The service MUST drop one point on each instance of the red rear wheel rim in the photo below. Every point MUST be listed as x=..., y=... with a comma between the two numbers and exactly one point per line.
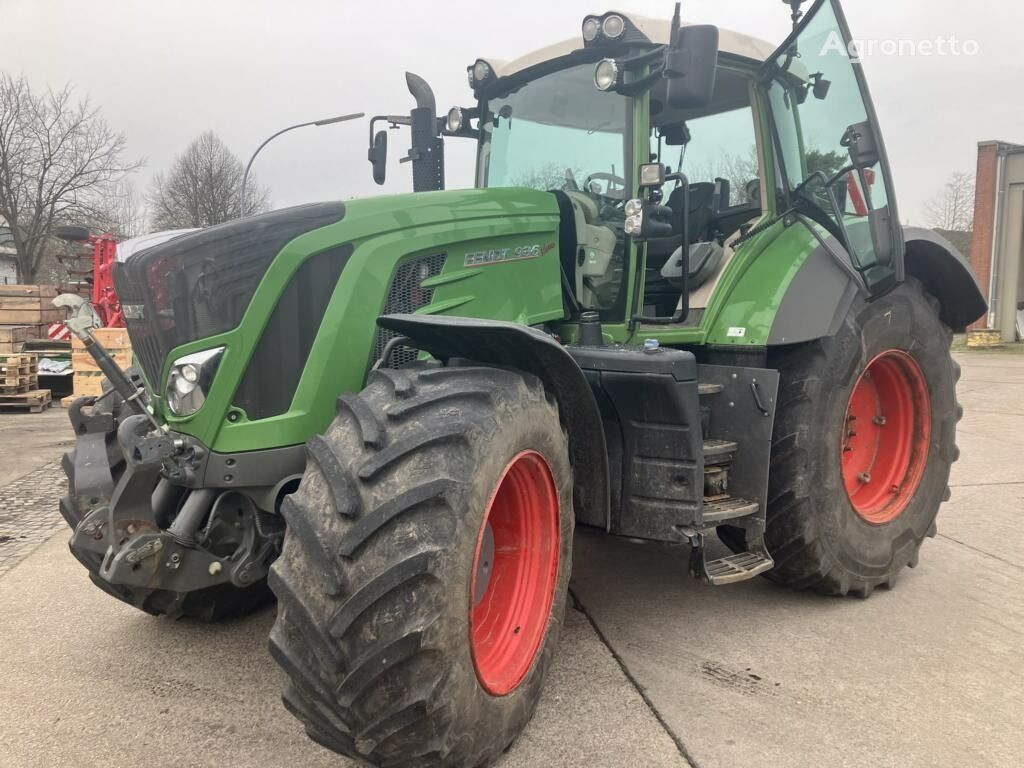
x=885, y=437
x=514, y=573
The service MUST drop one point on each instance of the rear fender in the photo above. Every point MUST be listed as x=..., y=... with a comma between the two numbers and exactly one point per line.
x=947, y=275
x=509, y=345
x=820, y=294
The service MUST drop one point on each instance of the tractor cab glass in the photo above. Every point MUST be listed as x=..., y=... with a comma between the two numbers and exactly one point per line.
x=716, y=147
x=820, y=108
x=558, y=133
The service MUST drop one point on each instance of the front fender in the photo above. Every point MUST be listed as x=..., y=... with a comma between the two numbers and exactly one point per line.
x=516, y=346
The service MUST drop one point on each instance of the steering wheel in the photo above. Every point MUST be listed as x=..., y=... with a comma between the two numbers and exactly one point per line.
x=612, y=179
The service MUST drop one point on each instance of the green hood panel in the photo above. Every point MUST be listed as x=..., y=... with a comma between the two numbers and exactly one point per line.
x=501, y=262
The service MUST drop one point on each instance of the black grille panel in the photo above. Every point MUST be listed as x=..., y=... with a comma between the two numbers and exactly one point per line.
x=404, y=297
x=277, y=364
x=200, y=284
x=146, y=346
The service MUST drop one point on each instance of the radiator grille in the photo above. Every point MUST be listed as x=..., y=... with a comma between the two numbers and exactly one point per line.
x=406, y=296
x=146, y=343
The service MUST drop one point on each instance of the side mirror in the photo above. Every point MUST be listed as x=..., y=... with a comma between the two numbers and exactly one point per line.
x=821, y=87
x=691, y=67
x=378, y=156
x=862, y=144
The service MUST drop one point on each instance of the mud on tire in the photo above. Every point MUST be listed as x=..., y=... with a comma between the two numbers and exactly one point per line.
x=816, y=536
x=375, y=582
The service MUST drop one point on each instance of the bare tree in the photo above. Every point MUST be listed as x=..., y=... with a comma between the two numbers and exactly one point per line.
x=57, y=157
x=202, y=188
x=119, y=211
x=546, y=177
x=953, y=208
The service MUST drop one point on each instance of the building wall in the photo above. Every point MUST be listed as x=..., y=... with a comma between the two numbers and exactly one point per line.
x=1011, y=247
x=998, y=246
x=984, y=219
x=8, y=269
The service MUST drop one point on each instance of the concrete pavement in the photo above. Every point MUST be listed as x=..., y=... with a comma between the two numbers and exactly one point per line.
x=28, y=440
x=930, y=674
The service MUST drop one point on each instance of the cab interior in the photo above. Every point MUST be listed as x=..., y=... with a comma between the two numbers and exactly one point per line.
x=719, y=149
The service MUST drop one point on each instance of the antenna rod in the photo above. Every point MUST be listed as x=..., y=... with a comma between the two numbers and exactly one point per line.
x=676, y=21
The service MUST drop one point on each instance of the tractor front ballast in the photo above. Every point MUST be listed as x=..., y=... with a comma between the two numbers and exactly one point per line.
x=149, y=528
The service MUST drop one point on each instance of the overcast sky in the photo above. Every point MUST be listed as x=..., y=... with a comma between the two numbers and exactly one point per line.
x=165, y=71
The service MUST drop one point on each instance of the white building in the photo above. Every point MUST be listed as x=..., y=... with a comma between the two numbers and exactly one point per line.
x=8, y=262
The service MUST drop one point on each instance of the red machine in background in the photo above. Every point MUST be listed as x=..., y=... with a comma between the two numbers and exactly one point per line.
x=104, y=255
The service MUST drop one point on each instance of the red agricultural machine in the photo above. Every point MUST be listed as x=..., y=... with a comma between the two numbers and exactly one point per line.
x=104, y=256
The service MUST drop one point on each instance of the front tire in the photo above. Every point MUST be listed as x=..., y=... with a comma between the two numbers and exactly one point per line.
x=425, y=568
x=864, y=439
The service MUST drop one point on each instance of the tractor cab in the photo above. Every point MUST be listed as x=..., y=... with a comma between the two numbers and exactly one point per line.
x=574, y=130
x=669, y=147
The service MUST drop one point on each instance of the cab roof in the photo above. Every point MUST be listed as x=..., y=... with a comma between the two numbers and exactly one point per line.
x=657, y=31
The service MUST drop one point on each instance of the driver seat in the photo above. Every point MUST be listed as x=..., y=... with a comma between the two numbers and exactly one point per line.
x=657, y=290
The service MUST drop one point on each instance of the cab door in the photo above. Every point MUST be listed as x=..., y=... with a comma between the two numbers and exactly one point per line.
x=831, y=163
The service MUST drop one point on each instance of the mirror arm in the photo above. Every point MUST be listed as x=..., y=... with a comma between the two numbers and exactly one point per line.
x=636, y=87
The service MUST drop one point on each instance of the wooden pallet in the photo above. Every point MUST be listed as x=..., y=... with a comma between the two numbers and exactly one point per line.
x=29, y=305
x=18, y=373
x=13, y=337
x=35, y=401
x=88, y=379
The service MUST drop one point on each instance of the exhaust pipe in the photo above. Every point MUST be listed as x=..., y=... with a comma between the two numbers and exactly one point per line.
x=421, y=91
x=427, y=153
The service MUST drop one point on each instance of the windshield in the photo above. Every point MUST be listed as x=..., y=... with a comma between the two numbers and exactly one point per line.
x=556, y=132
x=559, y=132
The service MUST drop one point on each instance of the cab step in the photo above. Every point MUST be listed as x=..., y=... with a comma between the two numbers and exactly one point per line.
x=718, y=512
x=719, y=451
x=735, y=568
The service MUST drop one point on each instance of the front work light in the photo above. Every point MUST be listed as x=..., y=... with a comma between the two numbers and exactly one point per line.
x=613, y=26
x=606, y=74
x=481, y=71
x=455, y=121
x=652, y=175
x=591, y=28
x=189, y=380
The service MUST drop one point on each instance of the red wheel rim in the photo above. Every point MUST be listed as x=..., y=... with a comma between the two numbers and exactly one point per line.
x=885, y=437
x=514, y=572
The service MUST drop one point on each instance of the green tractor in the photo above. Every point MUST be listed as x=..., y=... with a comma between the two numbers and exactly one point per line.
x=678, y=305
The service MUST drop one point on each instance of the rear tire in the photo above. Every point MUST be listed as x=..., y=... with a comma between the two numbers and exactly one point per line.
x=394, y=654
x=826, y=529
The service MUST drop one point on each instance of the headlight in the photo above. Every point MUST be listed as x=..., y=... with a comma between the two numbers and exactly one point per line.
x=189, y=380
x=634, y=207
x=634, y=225
x=613, y=27
x=454, y=122
x=591, y=28
x=606, y=74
